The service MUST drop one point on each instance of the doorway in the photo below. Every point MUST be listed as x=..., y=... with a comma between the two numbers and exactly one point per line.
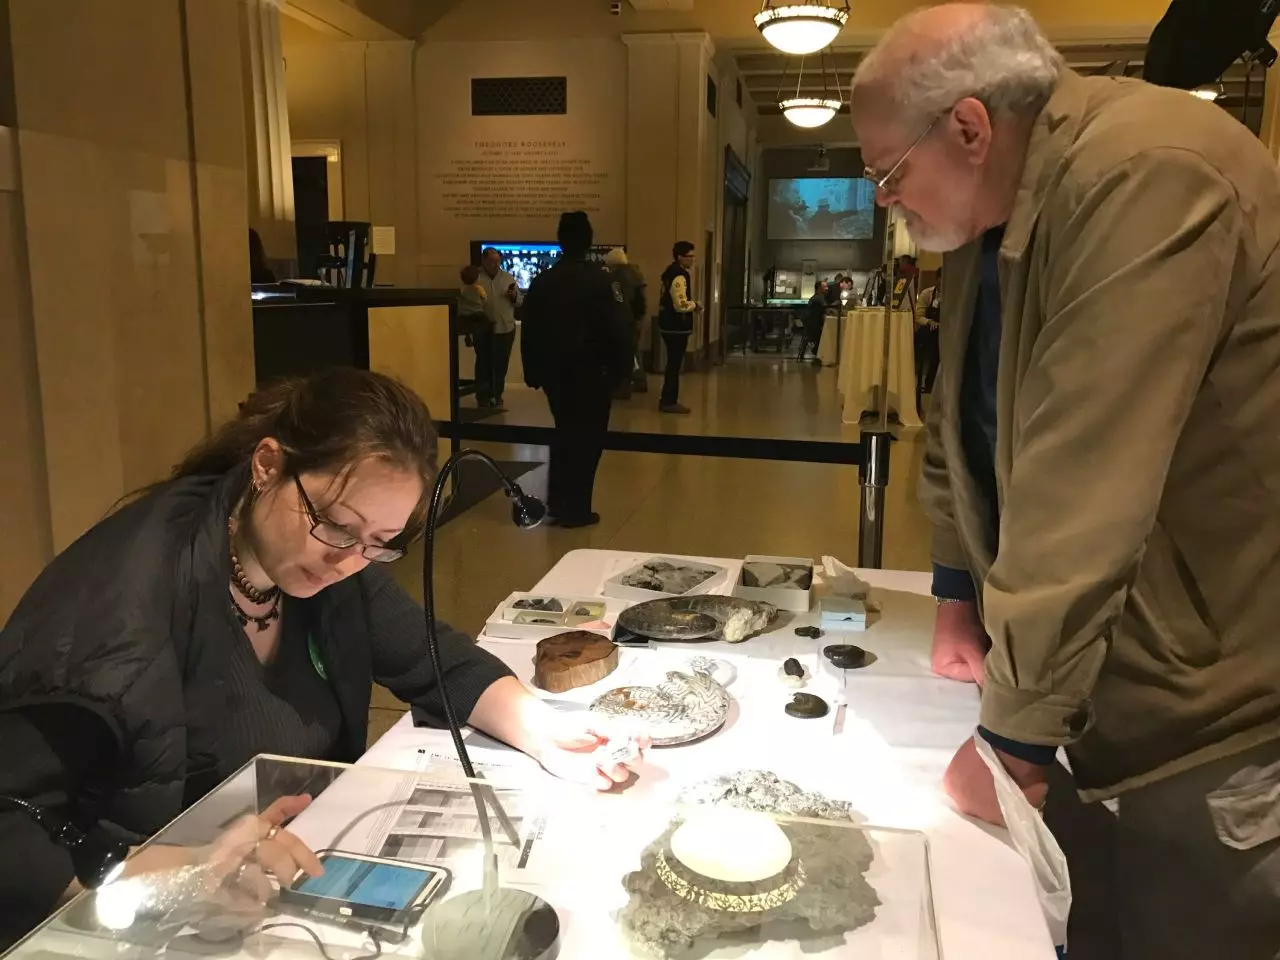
x=733, y=271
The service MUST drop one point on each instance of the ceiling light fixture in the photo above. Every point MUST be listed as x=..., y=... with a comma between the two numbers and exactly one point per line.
x=809, y=111
x=801, y=28
x=1208, y=91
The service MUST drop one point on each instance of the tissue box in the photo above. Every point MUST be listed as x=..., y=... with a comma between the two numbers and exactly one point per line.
x=536, y=616
x=843, y=613
x=793, y=584
x=661, y=577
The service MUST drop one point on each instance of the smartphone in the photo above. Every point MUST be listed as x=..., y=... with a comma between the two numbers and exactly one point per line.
x=360, y=887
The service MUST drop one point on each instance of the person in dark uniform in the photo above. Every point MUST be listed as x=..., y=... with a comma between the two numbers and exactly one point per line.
x=815, y=318
x=675, y=321
x=834, y=287
x=574, y=351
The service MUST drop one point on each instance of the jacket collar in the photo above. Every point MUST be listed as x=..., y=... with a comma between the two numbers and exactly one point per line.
x=1052, y=134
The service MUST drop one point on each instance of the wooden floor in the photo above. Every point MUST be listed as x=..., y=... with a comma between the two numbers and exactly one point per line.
x=691, y=505
x=760, y=395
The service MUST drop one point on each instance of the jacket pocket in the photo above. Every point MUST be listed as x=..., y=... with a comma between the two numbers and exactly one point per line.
x=1167, y=597
x=1246, y=808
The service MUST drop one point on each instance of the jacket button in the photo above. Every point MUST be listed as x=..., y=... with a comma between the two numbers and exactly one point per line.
x=1078, y=721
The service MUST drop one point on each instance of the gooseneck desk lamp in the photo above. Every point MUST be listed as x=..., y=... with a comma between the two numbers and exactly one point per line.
x=493, y=923
x=96, y=859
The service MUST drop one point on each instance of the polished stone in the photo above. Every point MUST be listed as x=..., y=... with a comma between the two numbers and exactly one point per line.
x=807, y=706
x=846, y=656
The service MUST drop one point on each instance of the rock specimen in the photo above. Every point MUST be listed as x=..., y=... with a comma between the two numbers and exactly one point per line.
x=792, y=673
x=545, y=604
x=683, y=707
x=674, y=912
x=709, y=617
x=668, y=576
x=574, y=659
x=807, y=706
x=846, y=656
x=812, y=633
x=764, y=574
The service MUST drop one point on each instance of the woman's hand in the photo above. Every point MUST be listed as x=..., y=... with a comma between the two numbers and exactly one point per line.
x=255, y=848
x=584, y=750
x=578, y=747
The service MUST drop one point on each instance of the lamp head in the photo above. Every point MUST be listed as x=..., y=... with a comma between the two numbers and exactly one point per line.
x=526, y=511
x=97, y=860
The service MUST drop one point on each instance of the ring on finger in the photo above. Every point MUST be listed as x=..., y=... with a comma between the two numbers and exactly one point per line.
x=273, y=832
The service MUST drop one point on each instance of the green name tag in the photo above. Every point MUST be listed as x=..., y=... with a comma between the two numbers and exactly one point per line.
x=315, y=659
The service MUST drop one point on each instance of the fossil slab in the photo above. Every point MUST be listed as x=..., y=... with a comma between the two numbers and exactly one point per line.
x=681, y=618
x=675, y=913
x=683, y=707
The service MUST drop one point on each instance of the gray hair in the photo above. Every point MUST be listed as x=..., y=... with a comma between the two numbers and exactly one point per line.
x=1001, y=57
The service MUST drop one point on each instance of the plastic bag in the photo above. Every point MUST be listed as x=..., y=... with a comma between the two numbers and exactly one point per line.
x=1032, y=839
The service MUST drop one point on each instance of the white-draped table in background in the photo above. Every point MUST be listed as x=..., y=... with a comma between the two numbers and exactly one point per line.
x=861, y=359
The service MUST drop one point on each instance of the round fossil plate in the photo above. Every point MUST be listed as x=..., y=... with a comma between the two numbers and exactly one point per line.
x=656, y=620
x=682, y=708
x=707, y=617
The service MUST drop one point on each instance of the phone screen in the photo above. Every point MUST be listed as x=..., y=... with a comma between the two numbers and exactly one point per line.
x=370, y=884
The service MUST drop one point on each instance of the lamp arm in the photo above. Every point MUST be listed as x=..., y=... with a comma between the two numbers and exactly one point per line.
x=523, y=508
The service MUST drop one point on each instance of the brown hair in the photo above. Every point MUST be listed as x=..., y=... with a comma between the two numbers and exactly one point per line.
x=470, y=273
x=328, y=422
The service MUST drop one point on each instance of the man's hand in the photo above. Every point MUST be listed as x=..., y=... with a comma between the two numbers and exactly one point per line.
x=969, y=784
x=959, y=643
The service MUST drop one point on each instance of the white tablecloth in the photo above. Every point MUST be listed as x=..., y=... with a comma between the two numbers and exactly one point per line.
x=901, y=728
x=861, y=356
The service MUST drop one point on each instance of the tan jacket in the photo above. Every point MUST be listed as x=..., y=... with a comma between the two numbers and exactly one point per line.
x=1134, y=600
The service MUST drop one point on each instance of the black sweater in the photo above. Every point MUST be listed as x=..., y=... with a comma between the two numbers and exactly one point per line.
x=116, y=674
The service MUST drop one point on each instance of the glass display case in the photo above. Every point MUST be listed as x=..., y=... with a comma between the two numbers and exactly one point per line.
x=423, y=863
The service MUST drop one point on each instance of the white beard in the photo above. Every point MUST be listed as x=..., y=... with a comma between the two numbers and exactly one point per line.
x=935, y=240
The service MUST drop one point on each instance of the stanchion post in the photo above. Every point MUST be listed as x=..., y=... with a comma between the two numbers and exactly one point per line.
x=873, y=475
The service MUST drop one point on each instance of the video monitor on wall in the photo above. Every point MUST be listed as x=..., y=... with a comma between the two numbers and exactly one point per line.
x=821, y=208
x=524, y=261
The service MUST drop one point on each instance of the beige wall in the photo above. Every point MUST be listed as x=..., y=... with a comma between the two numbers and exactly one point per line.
x=590, y=138
x=122, y=258
x=361, y=94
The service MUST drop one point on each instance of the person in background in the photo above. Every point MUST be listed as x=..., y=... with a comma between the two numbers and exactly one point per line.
x=834, y=286
x=676, y=313
x=928, y=313
x=628, y=286
x=1104, y=487
x=873, y=293
x=472, y=295
x=244, y=606
x=575, y=351
x=906, y=278
x=473, y=320
x=259, y=270
x=493, y=347
x=815, y=318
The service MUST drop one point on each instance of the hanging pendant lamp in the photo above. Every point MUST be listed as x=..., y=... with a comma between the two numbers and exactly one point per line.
x=807, y=111
x=800, y=28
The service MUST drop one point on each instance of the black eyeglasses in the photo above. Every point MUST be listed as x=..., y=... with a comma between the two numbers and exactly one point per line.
x=332, y=535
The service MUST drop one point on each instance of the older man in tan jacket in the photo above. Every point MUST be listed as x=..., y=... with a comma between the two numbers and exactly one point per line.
x=1103, y=465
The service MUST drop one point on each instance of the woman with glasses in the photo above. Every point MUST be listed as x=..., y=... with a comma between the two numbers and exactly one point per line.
x=242, y=607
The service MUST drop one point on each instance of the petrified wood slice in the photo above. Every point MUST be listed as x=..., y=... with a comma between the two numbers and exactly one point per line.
x=574, y=659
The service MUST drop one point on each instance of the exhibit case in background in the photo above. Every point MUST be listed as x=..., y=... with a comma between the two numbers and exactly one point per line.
x=536, y=868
